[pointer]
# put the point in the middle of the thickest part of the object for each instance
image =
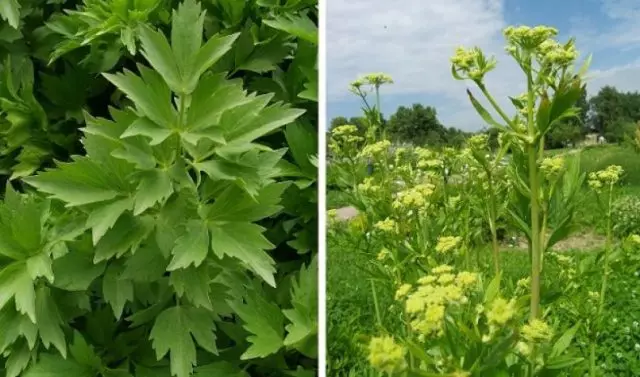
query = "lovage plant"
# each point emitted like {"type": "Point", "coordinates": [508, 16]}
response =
{"type": "Point", "coordinates": [552, 91]}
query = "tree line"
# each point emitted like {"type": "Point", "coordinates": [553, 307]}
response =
{"type": "Point", "coordinates": [611, 113]}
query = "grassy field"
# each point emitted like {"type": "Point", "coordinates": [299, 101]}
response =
{"type": "Point", "coordinates": [351, 309]}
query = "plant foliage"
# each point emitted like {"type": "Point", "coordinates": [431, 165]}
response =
{"type": "Point", "coordinates": [161, 216]}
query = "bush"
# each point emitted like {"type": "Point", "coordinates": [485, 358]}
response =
{"type": "Point", "coordinates": [626, 216]}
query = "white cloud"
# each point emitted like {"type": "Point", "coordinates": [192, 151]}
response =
{"type": "Point", "coordinates": [412, 40]}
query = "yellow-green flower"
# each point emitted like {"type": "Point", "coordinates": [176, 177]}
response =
{"type": "Point", "coordinates": [466, 279]}
{"type": "Point", "coordinates": [501, 311]}
{"type": "Point", "coordinates": [447, 244]}
{"type": "Point", "coordinates": [383, 254]}
{"type": "Point", "coordinates": [442, 269]}
{"type": "Point", "coordinates": [536, 331]}
{"type": "Point", "coordinates": [387, 356]}
{"type": "Point", "coordinates": [387, 225]}
{"type": "Point", "coordinates": [403, 291]}
{"type": "Point", "coordinates": [552, 167]}
{"type": "Point", "coordinates": [529, 38]}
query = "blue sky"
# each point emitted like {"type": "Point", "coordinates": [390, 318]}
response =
{"type": "Point", "coordinates": [412, 40]}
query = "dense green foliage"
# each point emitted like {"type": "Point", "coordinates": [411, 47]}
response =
{"type": "Point", "coordinates": [161, 215]}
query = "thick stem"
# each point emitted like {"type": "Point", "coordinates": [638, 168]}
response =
{"type": "Point", "coordinates": [534, 184]}
{"type": "Point", "coordinates": [492, 224]}
{"type": "Point", "coordinates": [592, 359]}
{"type": "Point", "coordinates": [535, 235]}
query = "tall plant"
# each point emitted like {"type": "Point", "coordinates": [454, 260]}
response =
{"type": "Point", "coordinates": [552, 91]}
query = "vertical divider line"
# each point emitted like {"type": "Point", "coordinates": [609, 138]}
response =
{"type": "Point", "coordinates": [322, 191]}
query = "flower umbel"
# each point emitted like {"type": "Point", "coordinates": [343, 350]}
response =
{"type": "Point", "coordinates": [387, 356]}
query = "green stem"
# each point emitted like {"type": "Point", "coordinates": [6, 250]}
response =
{"type": "Point", "coordinates": [536, 252]}
{"type": "Point", "coordinates": [592, 359]}
{"type": "Point", "coordinates": [493, 103]}
{"type": "Point", "coordinates": [603, 289]}
{"type": "Point", "coordinates": [492, 224]}
{"type": "Point", "coordinates": [375, 304]}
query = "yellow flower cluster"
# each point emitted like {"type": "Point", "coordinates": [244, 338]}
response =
{"type": "Point", "coordinates": [368, 186]}
{"type": "Point", "coordinates": [607, 177]}
{"type": "Point", "coordinates": [346, 129]}
{"type": "Point", "coordinates": [501, 311]}
{"type": "Point", "coordinates": [426, 304]}
{"type": "Point", "coordinates": [447, 244]}
{"type": "Point", "coordinates": [523, 283]}
{"type": "Point", "coordinates": [472, 63]}
{"type": "Point", "coordinates": [359, 224]}
{"type": "Point", "coordinates": [529, 38]}
{"type": "Point", "coordinates": [387, 225]}
{"type": "Point", "coordinates": [466, 59]}
{"type": "Point", "coordinates": [414, 198]}
{"type": "Point", "coordinates": [553, 52]}
{"type": "Point", "coordinates": [403, 291]}
{"type": "Point", "coordinates": [552, 167]}
{"type": "Point", "coordinates": [375, 150]}
{"type": "Point", "coordinates": [536, 331]}
{"type": "Point", "coordinates": [635, 238]}
{"type": "Point", "coordinates": [387, 356]}
{"type": "Point", "coordinates": [378, 78]}
{"type": "Point", "coordinates": [478, 142]}
{"type": "Point", "coordinates": [383, 254]}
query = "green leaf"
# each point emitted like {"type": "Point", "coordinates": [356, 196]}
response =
{"type": "Point", "coordinates": [146, 127]}
{"type": "Point", "coordinates": [483, 112]}
{"type": "Point", "coordinates": [303, 327]}
{"type": "Point", "coordinates": [192, 247]}
{"type": "Point", "coordinates": [219, 368]}
{"type": "Point", "coordinates": [10, 11]}
{"type": "Point", "coordinates": [116, 290]}
{"type": "Point", "coordinates": [565, 340]}
{"type": "Point", "coordinates": [269, 119]}
{"type": "Point", "coordinates": [148, 264]}
{"type": "Point", "coordinates": [563, 362]}
{"type": "Point", "coordinates": [49, 321]}
{"type": "Point", "coordinates": [16, 283]}
{"type": "Point", "coordinates": [54, 366]}
{"type": "Point", "coordinates": [264, 319]}
{"type": "Point", "coordinates": [186, 32]}
{"type": "Point", "coordinates": [75, 271]}
{"type": "Point", "coordinates": [265, 57]}
{"type": "Point", "coordinates": [18, 360]}
{"type": "Point", "coordinates": [83, 353]}
{"type": "Point", "coordinates": [235, 204]}
{"type": "Point", "coordinates": [207, 56]}
{"type": "Point", "coordinates": [156, 49]}
{"type": "Point", "coordinates": [155, 186]}
{"type": "Point", "coordinates": [126, 236]}
{"type": "Point", "coordinates": [151, 96]}
{"type": "Point", "coordinates": [104, 217]}
{"type": "Point", "coordinates": [493, 289]}
{"type": "Point", "coordinates": [40, 265]}
{"type": "Point", "coordinates": [300, 26]}
{"type": "Point", "coordinates": [245, 242]}
{"type": "Point", "coordinates": [303, 145]}
{"type": "Point", "coordinates": [76, 183]}
{"type": "Point", "coordinates": [173, 331]}
{"type": "Point", "coordinates": [193, 283]}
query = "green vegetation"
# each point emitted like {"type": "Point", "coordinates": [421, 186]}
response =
{"type": "Point", "coordinates": [160, 211]}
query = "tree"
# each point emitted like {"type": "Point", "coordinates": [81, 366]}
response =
{"type": "Point", "coordinates": [611, 109]}
{"type": "Point", "coordinates": [417, 125]}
